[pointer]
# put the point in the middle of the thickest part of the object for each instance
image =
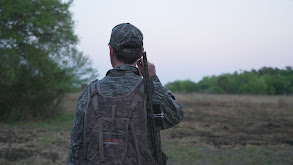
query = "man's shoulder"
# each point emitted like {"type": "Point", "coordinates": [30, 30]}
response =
{"type": "Point", "coordinates": [84, 94]}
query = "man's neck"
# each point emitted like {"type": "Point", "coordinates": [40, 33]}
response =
{"type": "Point", "coordinates": [121, 63]}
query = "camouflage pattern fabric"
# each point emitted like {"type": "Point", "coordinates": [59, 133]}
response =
{"type": "Point", "coordinates": [119, 81]}
{"type": "Point", "coordinates": [125, 33]}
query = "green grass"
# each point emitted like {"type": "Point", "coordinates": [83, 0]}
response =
{"type": "Point", "coordinates": [3, 161]}
{"type": "Point", "coordinates": [180, 152]}
{"type": "Point", "coordinates": [193, 155]}
{"type": "Point", "coordinates": [43, 138]}
{"type": "Point", "coordinates": [62, 121]}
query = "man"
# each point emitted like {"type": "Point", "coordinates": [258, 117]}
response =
{"type": "Point", "coordinates": [126, 47]}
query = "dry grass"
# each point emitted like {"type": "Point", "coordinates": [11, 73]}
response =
{"type": "Point", "coordinates": [216, 129]}
{"type": "Point", "coordinates": [237, 119]}
{"type": "Point", "coordinates": [244, 101]}
{"type": "Point", "coordinates": [225, 123]}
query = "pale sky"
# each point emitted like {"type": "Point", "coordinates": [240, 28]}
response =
{"type": "Point", "coordinates": [190, 39]}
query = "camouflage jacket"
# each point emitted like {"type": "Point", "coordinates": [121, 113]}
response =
{"type": "Point", "coordinates": [124, 78]}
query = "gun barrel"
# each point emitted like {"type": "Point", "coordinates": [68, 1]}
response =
{"type": "Point", "coordinates": [150, 105]}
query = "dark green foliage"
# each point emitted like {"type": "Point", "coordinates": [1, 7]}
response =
{"type": "Point", "coordinates": [39, 61]}
{"type": "Point", "coordinates": [267, 80]}
{"type": "Point", "coordinates": [185, 86]}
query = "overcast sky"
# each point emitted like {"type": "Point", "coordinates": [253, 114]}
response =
{"type": "Point", "coordinates": [190, 39]}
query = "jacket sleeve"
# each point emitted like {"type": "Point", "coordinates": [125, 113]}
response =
{"type": "Point", "coordinates": [173, 111]}
{"type": "Point", "coordinates": [77, 142]}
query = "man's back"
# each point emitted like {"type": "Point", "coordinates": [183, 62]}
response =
{"type": "Point", "coordinates": [126, 46]}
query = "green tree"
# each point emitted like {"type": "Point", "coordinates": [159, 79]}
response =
{"type": "Point", "coordinates": [185, 86]}
{"type": "Point", "coordinates": [266, 80]}
{"type": "Point", "coordinates": [210, 85]}
{"type": "Point", "coordinates": [228, 83]}
{"type": "Point", "coordinates": [206, 83]}
{"type": "Point", "coordinates": [39, 61]}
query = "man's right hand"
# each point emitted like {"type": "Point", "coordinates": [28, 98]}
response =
{"type": "Point", "coordinates": [151, 67]}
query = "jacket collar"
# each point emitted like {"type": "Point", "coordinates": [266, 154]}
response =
{"type": "Point", "coordinates": [123, 70]}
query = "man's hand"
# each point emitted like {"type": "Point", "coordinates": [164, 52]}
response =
{"type": "Point", "coordinates": [151, 67]}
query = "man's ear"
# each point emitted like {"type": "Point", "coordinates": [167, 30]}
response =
{"type": "Point", "coordinates": [111, 51]}
{"type": "Point", "coordinates": [141, 53]}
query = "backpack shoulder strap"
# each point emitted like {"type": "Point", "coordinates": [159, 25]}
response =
{"type": "Point", "coordinates": [93, 91]}
{"type": "Point", "coordinates": [92, 87]}
{"type": "Point", "coordinates": [142, 87]}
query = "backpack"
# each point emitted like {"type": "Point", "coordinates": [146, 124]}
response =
{"type": "Point", "coordinates": [115, 128]}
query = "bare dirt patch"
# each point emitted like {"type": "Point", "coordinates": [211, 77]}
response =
{"type": "Point", "coordinates": [35, 145]}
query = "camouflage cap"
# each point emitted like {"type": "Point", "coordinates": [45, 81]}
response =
{"type": "Point", "coordinates": [124, 34]}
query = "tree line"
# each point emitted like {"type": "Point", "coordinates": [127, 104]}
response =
{"type": "Point", "coordinates": [265, 81]}
{"type": "Point", "coordinates": [39, 61]}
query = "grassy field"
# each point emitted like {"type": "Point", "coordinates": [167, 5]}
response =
{"type": "Point", "coordinates": [232, 129]}
{"type": "Point", "coordinates": [216, 129]}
